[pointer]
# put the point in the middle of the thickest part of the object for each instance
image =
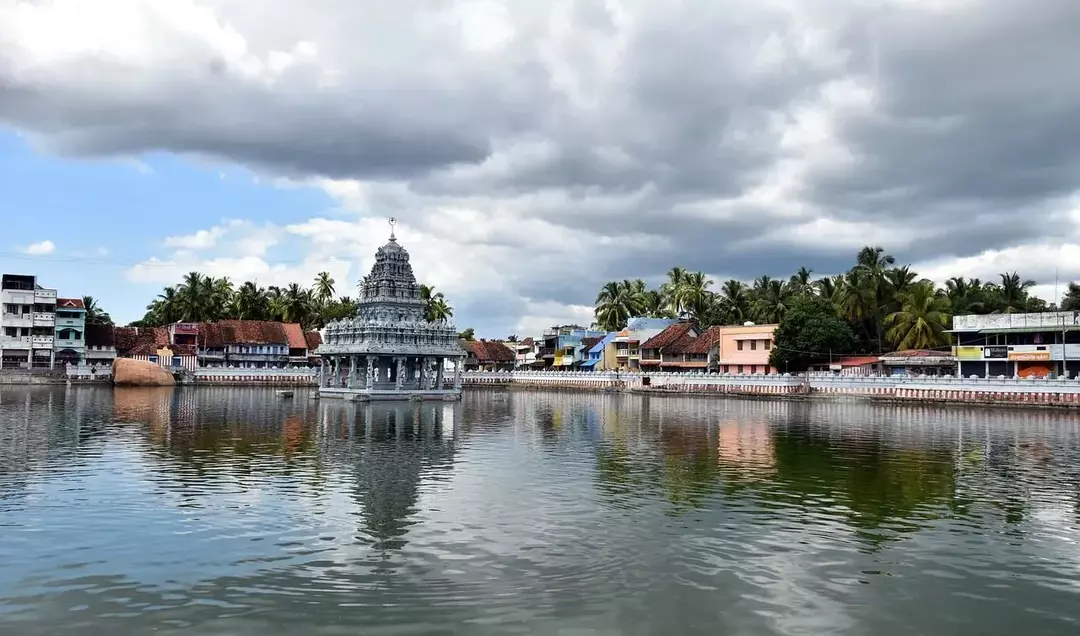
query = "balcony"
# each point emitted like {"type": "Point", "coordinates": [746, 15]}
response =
{"type": "Point", "coordinates": [69, 343]}
{"type": "Point", "coordinates": [17, 320]}
{"type": "Point", "coordinates": [8, 342]}
{"type": "Point", "coordinates": [48, 295]}
{"type": "Point", "coordinates": [41, 341]}
{"type": "Point", "coordinates": [77, 323]}
{"type": "Point", "coordinates": [42, 319]}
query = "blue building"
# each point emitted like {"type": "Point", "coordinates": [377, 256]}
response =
{"type": "Point", "coordinates": [69, 339]}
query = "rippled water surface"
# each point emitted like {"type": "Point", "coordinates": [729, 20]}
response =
{"type": "Point", "coordinates": [232, 511]}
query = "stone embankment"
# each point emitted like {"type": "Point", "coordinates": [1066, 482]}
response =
{"type": "Point", "coordinates": [996, 391]}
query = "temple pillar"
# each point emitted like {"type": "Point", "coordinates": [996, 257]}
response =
{"type": "Point", "coordinates": [334, 374]}
{"type": "Point", "coordinates": [322, 371]}
{"type": "Point", "coordinates": [398, 377]}
{"type": "Point", "coordinates": [440, 366]}
{"type": "Point", "coordinates": [457, 373]}
{"type": "Point", "coordinates": [370, 372]}
{"type": "Point", "coordinates": [352, 371]}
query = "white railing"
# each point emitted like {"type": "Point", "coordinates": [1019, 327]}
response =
{"type": "Point", "coordinates": [224, 372]}
{"type": "Point", "coordinates": [88, 371]}
{"type": "Point", "coordinates": [826, 383]}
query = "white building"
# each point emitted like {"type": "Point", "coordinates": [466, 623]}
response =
{"type": "Point", "coordinates": [27, 322]}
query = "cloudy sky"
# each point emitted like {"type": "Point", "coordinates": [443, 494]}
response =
{"type": "Point", "coordinates": [532, 150]}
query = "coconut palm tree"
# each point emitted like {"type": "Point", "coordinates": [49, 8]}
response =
{"type": "Point", "coordinates": [1012, 296]}
{"type": "Point", "coordinates": [771, 299]}
{"type": "Point", "coordinates": [672, 288]}
{"type": "Point", "coordinates": [735, 302]}
{"type": "Point", "coordinates": [324, 287]}
{"type": "Point", "coordinates": [922, 320]}
{"type": "Point", "coordinates": [95, 315]}
{"type": "Point", "coordinates": [616, 304]}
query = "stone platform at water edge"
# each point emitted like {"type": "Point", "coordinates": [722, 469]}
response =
{"type": "Point", "coordinates": [389, 350]}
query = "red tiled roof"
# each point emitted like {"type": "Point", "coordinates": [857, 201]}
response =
{"type": "Point", "coordinates": [671, 339]}
{"type": "Point", "coordinates": [144, 342]}
{"type": "Point", "coordinates": [125, 338]}
{"type": "Point", "coordinates": [215, 335]}
{"type": "Point", "coordinates": [528, 341]}
{"type": "Point", "coordinates": [313, 339]}
{"type": "Point", "coordinates": [488, 350]}
{"type": "Point", "coordinates": [294, 333]}
{"type": "Point", "coordinates": [704, 342]}
{"type": "Point", "coordinates": [71, 303]}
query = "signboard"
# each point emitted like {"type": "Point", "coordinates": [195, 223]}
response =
{"type": "Point", "coordinates": [1029, 355]}
{"type": "Point", "coordinates": [996, 352]}
{"type": "Point", "coordinates": [969, 353]}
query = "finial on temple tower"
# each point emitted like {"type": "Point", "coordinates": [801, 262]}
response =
{"type": "Point", "coordinates": [393, 222]}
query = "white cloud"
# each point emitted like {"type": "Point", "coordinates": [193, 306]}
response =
{"type": "Point", "coordinates": [201, 240]}
{"type": "Point", "coordinates": [40, 249]}
{"type": "Point", "coordinates": [533, 150]}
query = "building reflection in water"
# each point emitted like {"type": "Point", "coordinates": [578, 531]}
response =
{"type": "Point", "coordinates": [392, 447]}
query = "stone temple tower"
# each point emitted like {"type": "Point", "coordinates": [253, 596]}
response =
{"type": "Point", "coordinates": [389, 350]}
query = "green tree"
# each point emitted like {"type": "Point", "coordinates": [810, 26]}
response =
{"type": "Point", "coordinates": [922, 320]}
{"type": "Point", "coordinates": [809, 333]}
{"type": "Point", "coordinates": [324, 287]}
{"type": "Point", "coordinates": [467, 334]}
{"type": "Point", "coordinates": [1071, 300]}
{"type": "Point", "coordinates": [95, 315]}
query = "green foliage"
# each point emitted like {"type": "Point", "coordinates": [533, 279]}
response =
{"type": "Point", "coordinates": [888, 307]}
{"type": "Point", "coordinates": [95, 315]}
{"type": "Point", "coordinates": [201, 298]}
{"type": "Point", "coordinates": [467, 334]}
{"type": "Point", "coordinates": [808, 332]}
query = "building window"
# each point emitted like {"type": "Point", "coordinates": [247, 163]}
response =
{"type": "Point", "coordinates": [768, 345]}
{"type": "Point", "coordinates": [740, 367]}
{"type": "Point", "coordinates": [738, 344]}
{"type": "Point", "coordinates": [753, 345]}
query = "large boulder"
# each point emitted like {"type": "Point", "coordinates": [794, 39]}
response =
{"type": "Point", "coordinates": [127, 372]}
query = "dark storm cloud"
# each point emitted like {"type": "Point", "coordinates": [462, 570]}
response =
{"type": "Point", "coordinates": [973, 108]}
{"type": "Point", "coordinates": [657, 129]}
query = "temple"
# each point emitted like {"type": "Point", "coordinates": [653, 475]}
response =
{"type": "Point", "coordinates": [389, 350]}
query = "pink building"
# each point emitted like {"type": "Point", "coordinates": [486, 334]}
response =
{"type": "Point", "coordinates": [742, 349]}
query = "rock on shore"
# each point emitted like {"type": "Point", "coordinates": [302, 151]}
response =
{"type": "Point", "coordinates": [128, 372]}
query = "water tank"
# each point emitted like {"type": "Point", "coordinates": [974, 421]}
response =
{"type": "Point", "coordinates": [748, 323]}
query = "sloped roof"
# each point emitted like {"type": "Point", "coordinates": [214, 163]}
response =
{"type": "Point", "coordinates": [70, 303]}
{"type": "Point", "coordinates": [672, 338]}
{"type": "Point", "coordinates": [125, 338]}
{"type": "Point", "coordinates": [488, 350]}
{"type": "Point", "coordinates": [704, 342]}
{"type": "Point", "coordinates": [527, 341]}
{"type": "Point", "coordinates": [100, 336]}
{"type": "Point", "coordinates": [313, 339]}
{"type": "Point", "coordinates": [225, 332]}
{"type": "Point", "coordinates": [589, 342]}
{"type": "Point", "coordinates": [147, 340]}
{"type": "Point", "coordinates": [294, 333]}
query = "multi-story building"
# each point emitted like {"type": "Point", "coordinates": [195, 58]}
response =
{"type": "Point", "coordinates": [1018, 345]}
{"type": "Point", "coordinates": [628, 341]}
{"type": "Point", "coordinates": [723, 349]}
{"type": "Point", "coordinates": [27, 319]}
{"type": "Point", "coordinates": [100, 345]}
{"type": "Point", "coordinates": [487, 355]}
{"type": "Point", "coordinates": [601, 356]}
{"type": "Point", "coordinates": [526, 352]}
{"type": "Point", "coordinates": [563, 345]}
{"type": "Point", "coordinates": [69, 336]}
{"type": "Point", "coordinates": [743, 349]}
